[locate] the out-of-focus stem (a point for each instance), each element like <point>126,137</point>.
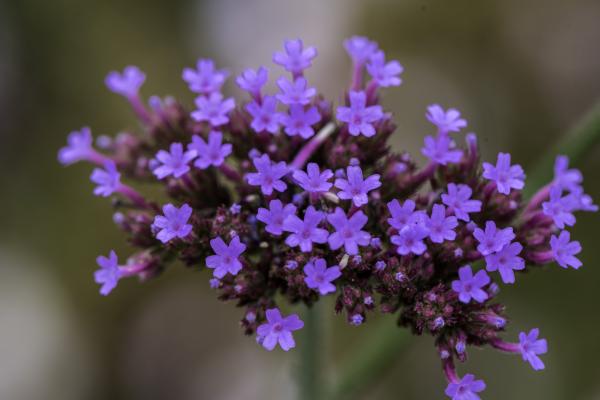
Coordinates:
<point>309,148</point>
<point>310,371</point>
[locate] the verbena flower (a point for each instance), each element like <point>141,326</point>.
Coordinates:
<point>319,277</point>
<point>348,231</point>
<point>313,180</point>
<point>278,330</point>
<point>530,347</point>
<point>446,121</point>
<point>441,150</point>
<point>296,58</point>
<point>264,115</point>
<point>384,74</point>
<point>205,79</point>
<point>360,48</point>
<point>174,162</point>
<point>459,200</point>
<point>107,179</point>
<point>80,148</point>
<point>465,388</point>
<point>109,273</point>
<point>295,92</point>
<point>268,175</point>
<point>470,286</point>
<point>213,109</point>
<point>564,250</point>
<point>506,262</point>
<point>274,216</point>
<point>410,239</point>
<point>492,239</point>
<point>304,233</point>
<point>560,208</point>
<point>173,223</point>
<point>252,81</point>
<point>126,84</point>
<point>212,153</point>
<point>226,258</point>
<point>300,121</point>
<point>360,117</point>
<point>505,176</point>
<point>355,187</point>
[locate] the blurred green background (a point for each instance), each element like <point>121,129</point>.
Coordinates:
<point>521,72</point>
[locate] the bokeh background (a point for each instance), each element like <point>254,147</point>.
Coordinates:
<point>521,72</point>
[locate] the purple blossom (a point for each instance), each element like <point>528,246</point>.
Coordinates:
<point>319,277</point>
<point>348,231</point>
<point>405,214</point>
<point>441,150</point>
<point>211,153</point>
<point>108,274</point>
<point>213,108</point>
<point>492,239</point>
<point>173,224</point>
<point>107,179</point>
<point>530,347</point>
<point>356,188</point>
<point>264,115</point>
<point>410,239</point>
<point>446,121</point>
<point>278,329</point>
<point>506,176</point>
<point>252,81</point>
<point>268,175</point>
<point>564,251</point>
<point>356,319</point>
<point>359,116</point>
<point>560,208</point>
<point>459,200</point>
<point>439,226</point>
<point>79,148</point>
<point>582,201</point>
<point>174,162</point>
<point>313,180</point>
<point>205,79</point>
<point>296,58</point>
<point>471,287</point>
<point>275,215</point>
<point>300,121</point>
<point>565,178</point>
<point>360,49</point>
<point>465,389</point>
<point>126,84</point>
<point>506,261</point>
<point>384,74</point>
<point>305,232</point>
<point>226,258</point>
<point>295,92</point>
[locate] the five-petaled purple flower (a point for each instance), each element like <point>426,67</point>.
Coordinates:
<point>226,258</point>
<point>471,287</point>
<point>264,115</point>
<point>402,215</point>
<point>530,347</point>
<point>79,148</point>
<point>300,121</point>
<point>384,74</point>
<point>439,226</point>
<point>126,84</point>
<point>459,200</point>
<point>446,121</point>
<point>348,231</point>
<point>492,239</point>
<point>107,179</point>
<point>355,187</point>
<point>305,232</point>
<point>565,178</point>
<point>108,274</point>
<point>278,329</point>
<point>205,79</point>
<point>313,180</point>
<point>360,49</point>
<point>465,389</point>
<point>213,108</point>
<point>319,277</point>
<point>560,208</point>
<point>268,175</point>
<point>275,215</point>
<point>211,153</point>
<point>359,116</point>
<point>174,223</point>
<point>506,176</point>
<point>174,162</point>
<point>441,150</point>
<point>506,261</point>
<point>296,92</point>
<point>252,81</point>
<point>564,251</point>
<point>410,239</point>
<point>296,58</point>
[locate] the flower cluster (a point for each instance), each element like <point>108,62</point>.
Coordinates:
<point>286,196</point>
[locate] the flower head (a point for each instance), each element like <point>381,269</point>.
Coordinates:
<point>107,179</point>
<point>313,180</point>
<point>174,162</point>
<point>348,231</point>
<point>268,175</point>
<point>213,108</point>
<point>127,83</point>
<point>530,347</point>
<point>275,215</point>
<point>264,115</point>
<point>564,251</point>
<point>360,49</point>
<point>305,232</point>
<point>506,176</point>
<point>441,150</point>
<point>506,261</point>
<point>384,74</point>
<point>226,258</point>
<point>252,81</point>
<point>278,330</point>
<point>459,200</point>
<point>439,226</point>
<point>108,274</point>
<point>446,121</point>
<point>296,92</point>
<point>355,187</point>
<point>211,153</point>
<point>79,147</point>
<point>299,121</point>
<point>360,117</point>
<point>319,277</point>
<point>560,208</point>
<point>296,58</point>
<point>174,223</point>
<point>205,79</point>
<point>471,287</point>
<point>492,239</point>
<point>465,389</point>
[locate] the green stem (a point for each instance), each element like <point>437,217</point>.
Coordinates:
<point>309,371</point>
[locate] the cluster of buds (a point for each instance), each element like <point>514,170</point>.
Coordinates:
<point>287,197</point>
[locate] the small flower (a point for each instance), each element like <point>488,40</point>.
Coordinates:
<point>275,215</point>
<point>356,188</point>
<point>465,389</point>
<point>348,231</point>
<point>108,274</point>
<point>446,121</point>
<point>441,150</point>
<point>291,265</point>
<point>252,81</point>
<point>211,153</point>
<point>402,215</point>
<point>360,49</point>
<point>356,319</point>
<point>319,277</point>
<point>268,175</point>
<point>235,208</point>
<point>399,276</point>
<point>313,180</point>
<point>439,226</point>
<point>506,176</point>
<point>205,79</point>
<point>565,178</point>
<point>300,121</point>
<point>492,239</point>
<point>581,201</point>
<point>214,283</point>
<point>506,261</point>
<point>564,251</point>
<point>410,239</point>
<point>226,258</point>
<point>126,84</point>
<point>278,329</point>
<point>459,200</point>
<point>359,116</point>
<point>384,74</point>
<point>560,208</point>
<point>264,115</point>
<point>530,346</point>
<point>295,92</point>
<point>305,232</point>
<point>173,224</point>
<point>107,179</point>
<point>79,147</point>
<point>470,287</point>
<point>213,108</point>
<point>174,162</point>
<point>296,58</point>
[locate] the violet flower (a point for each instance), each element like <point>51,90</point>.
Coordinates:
<point>296,58</point>
<point>565,178</point>
<point>384,74</point>
<point>458,199</point>
<point>278,330</point>
<point>205,79</point>
<point>439,226</point>
<point>80,148</point>
<point>305,232</point>
<point>465,389</point>
<point>275,215</point>
<point>441,150</point>
<point>446,121</point>
<point>313,180</point>
<point>107,179</point>
<point>492,239</point>
<point>108,274</point>
<point>174,162</point>
<point>505,176</point>
<point>319,277</point>
<point>530,347</point>
<point>355,187</point>
<point>560,208</point>
<point>252,81</point>
<point>564,250</point>
<point>360,49</point>
<point>264,115</point>
<point>226,257</point>
<point>348,231</point>
<point>471,287</point>
<point>359,117</point>
<point>409,239</point>
<point>173,224</point>
<point>299,121</point>
<point>212,153</point>
<point>213,109</point>
<point>295,92</point>
<point>126,84</point>
<point>506,261</point>
<point>268,175</point>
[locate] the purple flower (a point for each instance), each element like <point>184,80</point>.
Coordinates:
<point>465,389</point>
<point>278,329</point>
<point>410,239</point>
<point>358,116</point>
<point>565,178</point>
<point>213,108</point>
<point>173,224</point>
<point>226,258</point>
<point>560,208</point>
<point>439,226</point>
<point>356,319</point>
<point>175,162</point>
<point>446,121</point>
<point>348,231</point>
<point>564,251</point>
<point>264,115</point>
<point>126,84</point>
<point>441,150</point>
<point>506,176</point>
<point>205,79</point>
<point>384,74</point>
<point>304,233</point>
<point>268,175</point>
<point>295,92</point>
<point>108,274</point>
<point>530,346</point>
<point>356,188</point>
<point>360,49</point>
<point>470,287</point>
<point>275,215</point>
<point>319,277</point>
<point>582,201</point>
<point>405,214</point>
<point>107,179</point>
<point>459,200</point>
<point>313,180</point>
<point>296,58</point>
<point>252,81</point>
<point>211,153</point>
<point>79,148</point>
<point>492,239</point>
<point>300,121</point>
<point>506,261</point>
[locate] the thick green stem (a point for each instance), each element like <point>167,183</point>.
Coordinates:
<point>310,371</point>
